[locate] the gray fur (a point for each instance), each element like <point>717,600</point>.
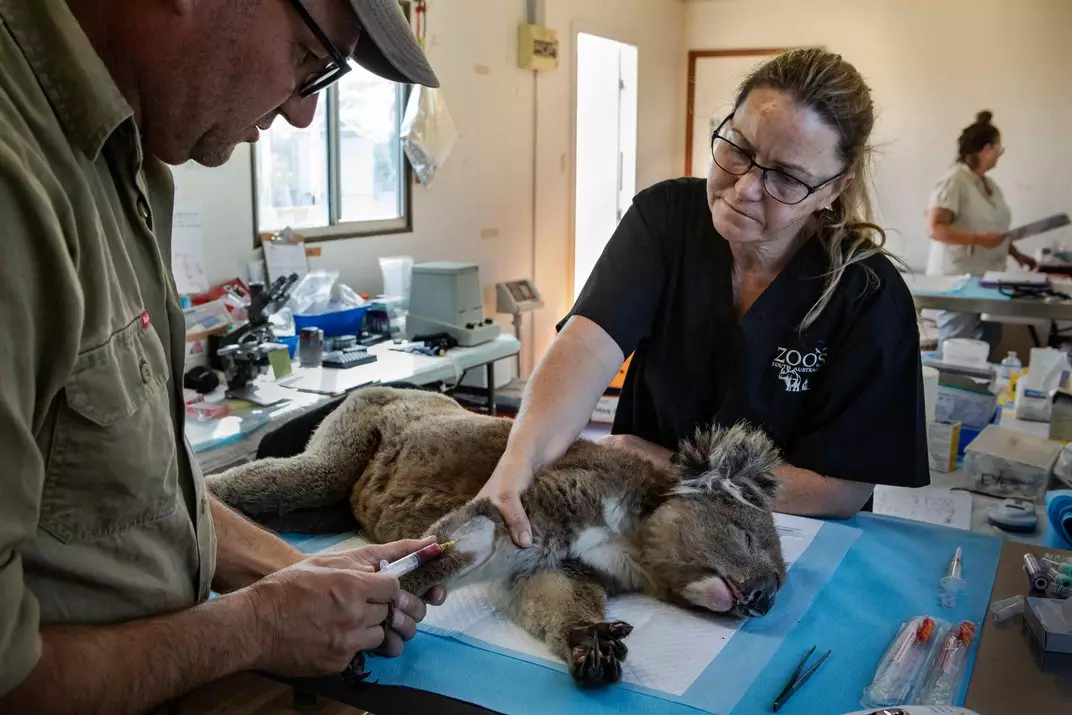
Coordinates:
<point>603,520</point>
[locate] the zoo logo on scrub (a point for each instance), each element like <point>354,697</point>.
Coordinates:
<point>793,367</point>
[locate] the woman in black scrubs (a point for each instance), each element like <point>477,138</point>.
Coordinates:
<point>762,294</point>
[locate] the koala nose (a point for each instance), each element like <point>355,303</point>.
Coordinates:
<point>759,594</point>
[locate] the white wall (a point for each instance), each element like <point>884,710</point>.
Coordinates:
<point>486,186</point>
<point>932,64</point>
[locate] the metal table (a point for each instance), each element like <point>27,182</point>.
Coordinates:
<point>974,298</point>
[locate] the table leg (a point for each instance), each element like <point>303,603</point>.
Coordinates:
<point>491,389</point>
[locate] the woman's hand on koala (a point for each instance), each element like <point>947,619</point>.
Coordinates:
<point>512,476</point>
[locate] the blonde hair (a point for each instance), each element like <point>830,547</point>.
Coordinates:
<point>827,84</point>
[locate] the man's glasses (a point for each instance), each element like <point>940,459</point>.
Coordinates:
<point>338,66</point>
<point>779,186</point>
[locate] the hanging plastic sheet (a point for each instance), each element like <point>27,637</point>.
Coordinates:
<point>428,132</point>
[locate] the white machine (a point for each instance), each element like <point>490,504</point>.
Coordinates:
<point>446,298</point>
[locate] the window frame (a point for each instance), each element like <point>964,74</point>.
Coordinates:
<point>348,229</point>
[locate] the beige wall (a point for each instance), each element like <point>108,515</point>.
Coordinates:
<point>488,181</point>
<point>932,64</point>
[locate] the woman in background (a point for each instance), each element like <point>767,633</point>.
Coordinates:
<point>967,219</point>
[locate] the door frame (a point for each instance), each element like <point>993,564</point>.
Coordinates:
<point>690,88</point>
<point>610,33</point>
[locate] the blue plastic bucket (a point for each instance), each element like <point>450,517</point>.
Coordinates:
<point>337,322</point>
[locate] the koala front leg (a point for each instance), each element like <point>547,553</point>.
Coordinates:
<point>565,609</point>
<point>477,536</point>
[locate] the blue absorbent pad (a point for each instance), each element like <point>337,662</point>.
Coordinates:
<point>887,575</point>
<point>1059,514</point>
<point>972,288</point>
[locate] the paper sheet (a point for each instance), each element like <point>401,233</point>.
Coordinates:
<point>935,506</point>
<point>186,249</point>
<point>661,632</point>
<point>282,259</point>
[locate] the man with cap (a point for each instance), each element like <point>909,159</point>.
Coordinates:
<point>109,544</point>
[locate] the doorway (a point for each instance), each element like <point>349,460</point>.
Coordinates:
<point>606,146</point>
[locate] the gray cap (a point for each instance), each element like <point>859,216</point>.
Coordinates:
<point>387,46</point>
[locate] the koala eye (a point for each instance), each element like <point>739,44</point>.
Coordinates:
<point>748,540</point>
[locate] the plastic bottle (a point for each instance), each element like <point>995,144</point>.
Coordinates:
<point>1009,366</point>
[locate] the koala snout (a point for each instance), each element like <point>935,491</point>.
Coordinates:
<point>758,595</point>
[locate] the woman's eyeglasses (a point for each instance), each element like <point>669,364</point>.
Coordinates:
<point>779,185</point>
<point>339,65</point>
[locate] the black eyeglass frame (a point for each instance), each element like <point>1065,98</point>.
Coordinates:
<point>752,164</point>
<point>340,62</point>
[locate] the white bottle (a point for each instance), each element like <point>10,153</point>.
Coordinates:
<point>1009,366</point>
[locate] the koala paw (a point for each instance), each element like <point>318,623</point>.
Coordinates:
<point>596,652</point>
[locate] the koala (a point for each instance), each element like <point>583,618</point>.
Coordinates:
<point>699,534</point>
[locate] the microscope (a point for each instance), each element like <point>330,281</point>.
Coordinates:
<point>242,354</point>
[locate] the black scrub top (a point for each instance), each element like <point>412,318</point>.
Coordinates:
<point>843,399</point>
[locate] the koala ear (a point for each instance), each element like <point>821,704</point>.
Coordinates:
<point>737,461</point>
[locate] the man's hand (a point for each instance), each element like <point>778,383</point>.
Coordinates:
<point>312,617</point>
<point>1023,259</point>
<point>408,610</point>
<point>512,476</point>
<point>631,443</point>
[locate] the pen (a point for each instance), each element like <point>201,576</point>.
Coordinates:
<point>412,562</point>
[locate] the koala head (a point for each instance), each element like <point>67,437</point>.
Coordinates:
<point>712,542</point>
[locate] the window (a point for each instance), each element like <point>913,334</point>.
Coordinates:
<point>345,174</point>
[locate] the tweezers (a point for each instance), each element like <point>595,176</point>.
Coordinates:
<point>798,678</point>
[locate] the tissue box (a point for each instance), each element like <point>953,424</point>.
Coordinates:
<point>1010,464</point>
<point>962,399</point>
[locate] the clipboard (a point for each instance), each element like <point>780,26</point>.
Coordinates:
<point>1050,223</point>
<point>286,253</point>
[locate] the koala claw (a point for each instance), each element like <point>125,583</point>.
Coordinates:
<point>596,652</point>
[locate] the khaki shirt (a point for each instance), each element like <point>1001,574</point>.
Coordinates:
<point>962,193</point>
<point>103,512</point>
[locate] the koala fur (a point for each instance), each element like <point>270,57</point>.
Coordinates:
<point>604,521</point>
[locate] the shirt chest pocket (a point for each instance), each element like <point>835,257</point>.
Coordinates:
<point>112,462</point>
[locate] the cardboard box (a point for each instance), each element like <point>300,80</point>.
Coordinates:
<point>962,399</point>
<point>942,442</point>
<point>1061,417</point>
<point>1051,623</point>
<point>1009,464</point>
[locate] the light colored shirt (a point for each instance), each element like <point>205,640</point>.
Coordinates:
<point>962,192</point>
<point>104,516</point>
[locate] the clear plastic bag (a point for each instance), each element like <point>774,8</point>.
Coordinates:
<point>428,132</point>
<point>899,675</point>
<point>320,292</point>
<point>1063,469</point>
<point>945,672</point>
<point>313,292</point>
